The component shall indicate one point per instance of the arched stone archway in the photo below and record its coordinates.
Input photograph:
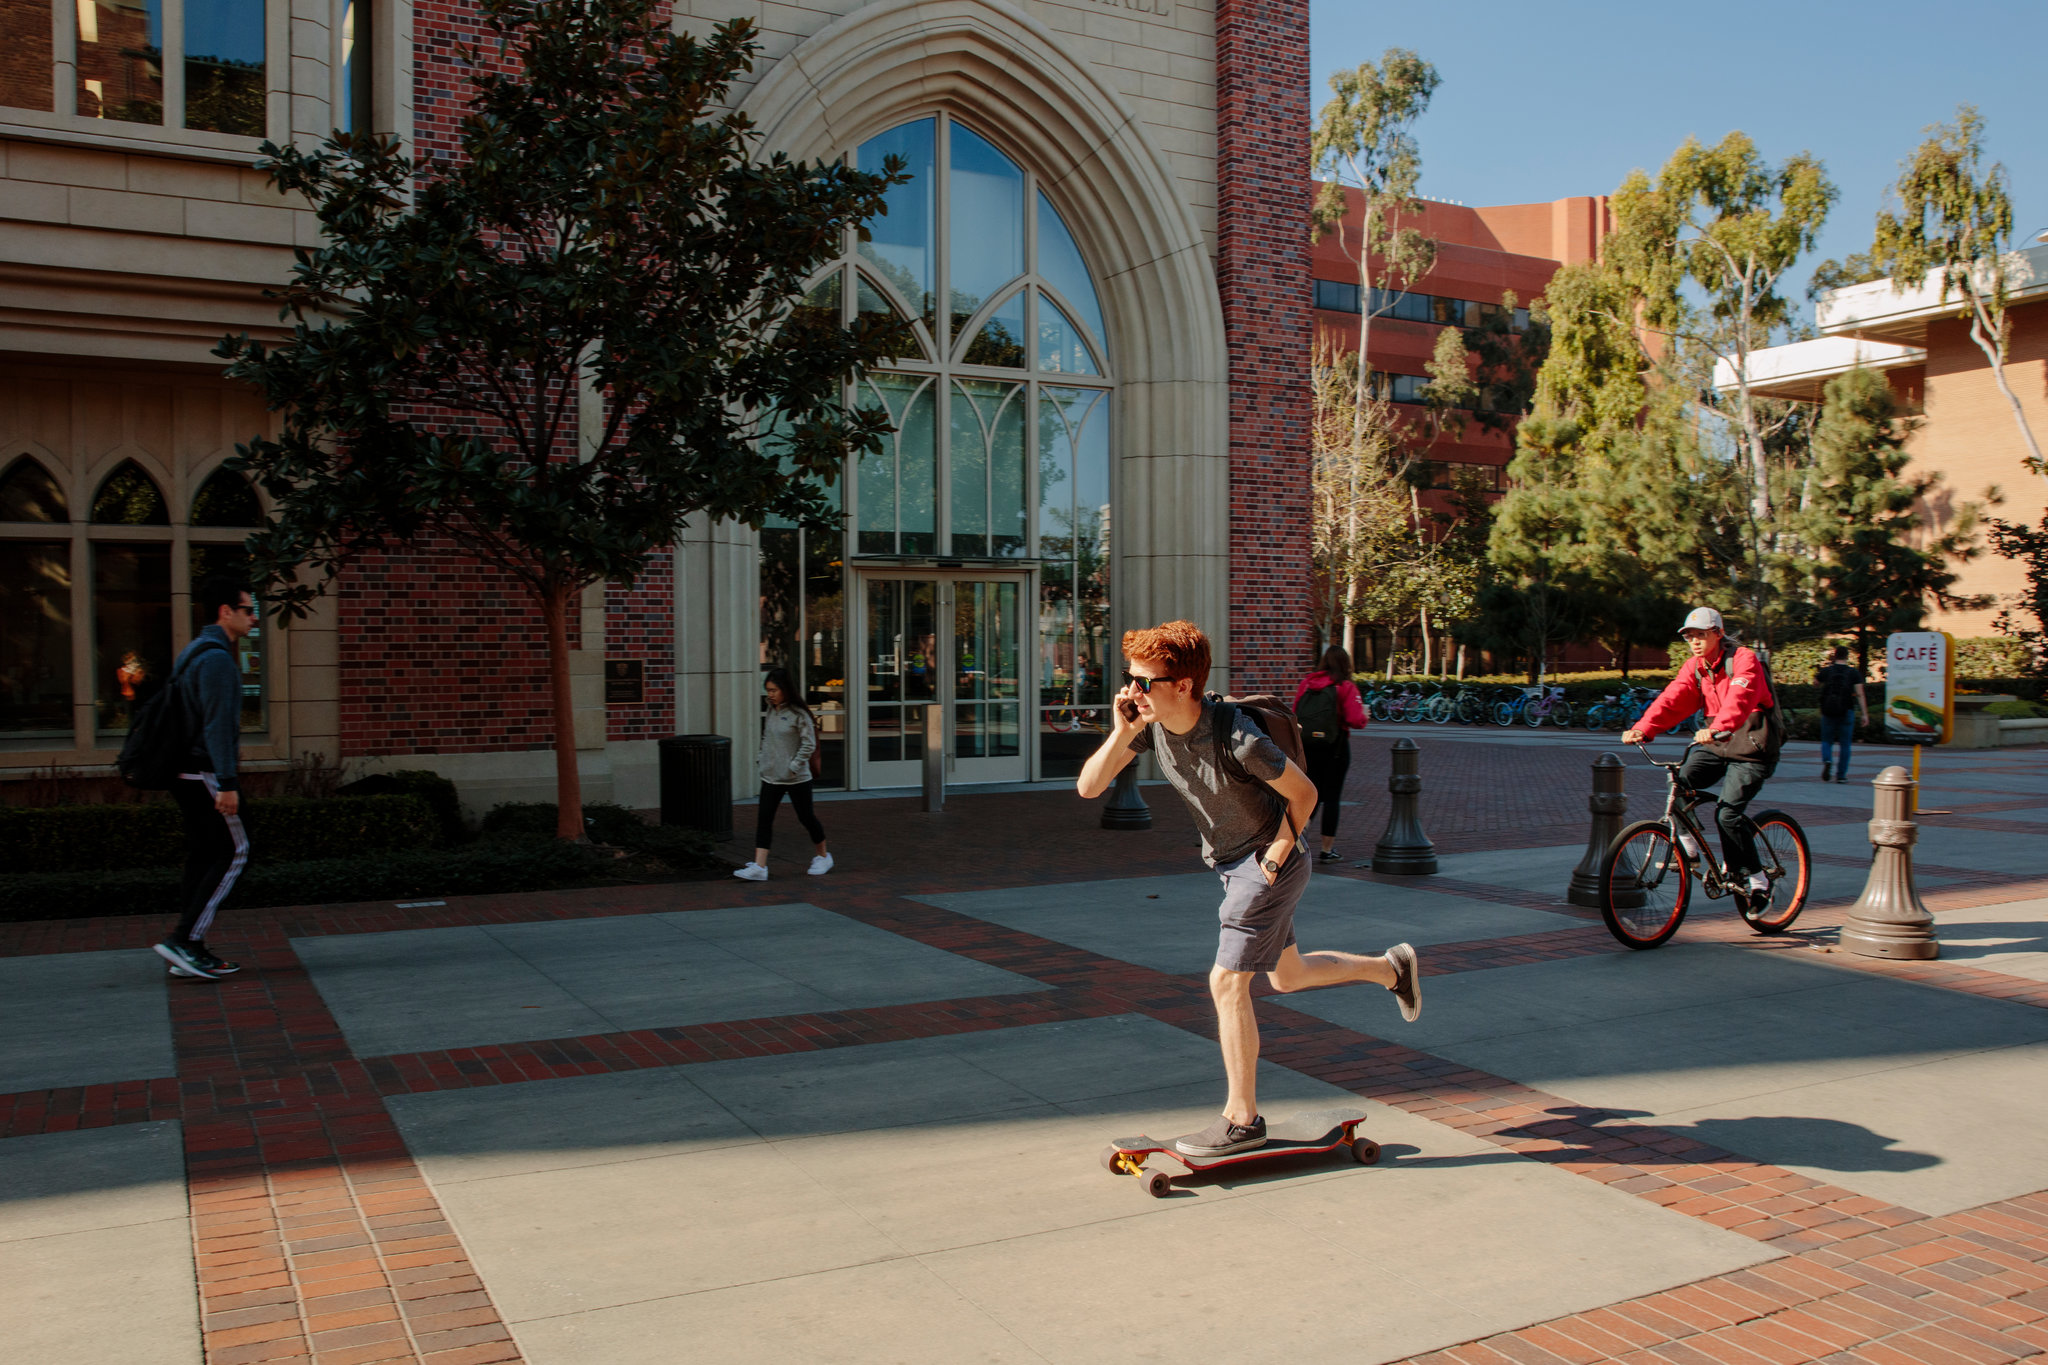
(894, 60)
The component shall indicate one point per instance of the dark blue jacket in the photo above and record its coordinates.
(212, 688)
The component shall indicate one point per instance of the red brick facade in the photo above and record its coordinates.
(1262, 127)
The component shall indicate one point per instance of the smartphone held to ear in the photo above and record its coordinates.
(1128, 708)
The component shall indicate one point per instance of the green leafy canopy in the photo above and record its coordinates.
(556, 346)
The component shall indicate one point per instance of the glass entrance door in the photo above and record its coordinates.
(957, 643)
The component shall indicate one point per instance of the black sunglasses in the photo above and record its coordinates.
(1143, 684)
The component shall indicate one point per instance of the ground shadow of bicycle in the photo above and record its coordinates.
(1781, 1139)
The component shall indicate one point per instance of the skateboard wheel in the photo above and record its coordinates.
(1109, 1159)
(1365, 1151)
(1158, 1185)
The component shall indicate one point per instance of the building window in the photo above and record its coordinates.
(1001, 407)
(1335, 296)
(181, 67)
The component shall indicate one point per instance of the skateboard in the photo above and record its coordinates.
(1321, 1130)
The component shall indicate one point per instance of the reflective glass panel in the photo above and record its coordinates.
(781, 606)
(224, 86)
(35, 637)
(820, 307)
(232, 561)
(1006, 477)
(1060, 348)
(131, 610)
(121, 60)
(26, 72)
(226, 499)
(129, 497)
(918, 474)
(985, 201)
(902, 242)
(1059, 261)
(28, 493)
(967, 455)
(1064, 420)
(357, 39)
(866, 300)
(1000, 340)
(824, 650)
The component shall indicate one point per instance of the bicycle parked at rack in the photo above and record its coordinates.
(1548, 705)
(1646, 878)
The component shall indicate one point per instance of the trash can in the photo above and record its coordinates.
(696, 783)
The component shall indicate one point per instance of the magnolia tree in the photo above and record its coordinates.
(550, 350)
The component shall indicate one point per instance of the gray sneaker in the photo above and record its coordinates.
(1223, 1137)
(185, 961)
(1407, 987)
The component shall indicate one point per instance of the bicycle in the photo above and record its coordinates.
(1507, 703)
(1469, 707)
(1549, 704)
(1646, 878)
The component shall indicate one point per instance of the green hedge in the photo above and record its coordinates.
(437, 791)
(282, 829)
(613, 824)
(487, 867)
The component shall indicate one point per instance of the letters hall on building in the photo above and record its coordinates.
(1104, 422)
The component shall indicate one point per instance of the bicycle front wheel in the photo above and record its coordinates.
(1469, 710)
(1440, 710)
(1644, 885)
(1561, 715)
(1783, 845)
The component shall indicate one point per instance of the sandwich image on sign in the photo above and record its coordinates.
(1912, 714)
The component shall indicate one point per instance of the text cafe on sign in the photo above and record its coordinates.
(1919, 686)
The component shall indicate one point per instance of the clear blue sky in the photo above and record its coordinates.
(1541, 101)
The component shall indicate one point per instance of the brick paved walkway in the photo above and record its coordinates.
(315, 1234)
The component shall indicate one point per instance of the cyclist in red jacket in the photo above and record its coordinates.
(1740, 742)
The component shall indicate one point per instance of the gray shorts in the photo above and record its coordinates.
(1257, 919)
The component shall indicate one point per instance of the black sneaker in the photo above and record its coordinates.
(1223, 1137)
(218, 966)
(1329, 855)
(1826, 776)
(185, 958)
(1407, 987)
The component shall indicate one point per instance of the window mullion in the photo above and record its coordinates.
(64, 53)
(84, 721)
(174, 64)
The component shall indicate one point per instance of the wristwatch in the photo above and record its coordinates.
(1270, 866)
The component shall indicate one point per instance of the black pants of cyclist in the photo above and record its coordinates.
(1740, 781)
(1327, 765)
(799, 801)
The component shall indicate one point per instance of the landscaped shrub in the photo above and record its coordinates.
(486, 868)
(281, 829)
(437, 791)
(2017, 710)
(613, 824)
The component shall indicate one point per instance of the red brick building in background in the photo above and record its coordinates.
(1483, 255)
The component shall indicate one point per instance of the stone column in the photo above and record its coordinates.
(1608, 804)
(1888, 920)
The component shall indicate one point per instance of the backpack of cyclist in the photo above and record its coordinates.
(1320, 717)
(1761, 736)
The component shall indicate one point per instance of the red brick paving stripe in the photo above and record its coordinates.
(314, 1235)
(1843, 1305)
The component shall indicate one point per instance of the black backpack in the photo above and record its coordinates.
(161, 732)
(1837, 690)
(1321, 718)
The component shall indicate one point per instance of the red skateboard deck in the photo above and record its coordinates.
(1319, 1131)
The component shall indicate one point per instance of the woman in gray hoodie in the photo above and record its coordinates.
(789, 736)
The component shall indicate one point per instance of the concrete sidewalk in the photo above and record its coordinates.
(856, 1118)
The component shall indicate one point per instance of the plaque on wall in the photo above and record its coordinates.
(622, 682)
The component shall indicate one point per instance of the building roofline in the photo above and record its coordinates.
(1801, 370)
(1878, 312)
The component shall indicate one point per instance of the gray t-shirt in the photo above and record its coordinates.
(1235, 818)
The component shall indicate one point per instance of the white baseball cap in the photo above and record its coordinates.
(1702, 618)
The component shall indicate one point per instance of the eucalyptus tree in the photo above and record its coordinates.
(1954, 227)
(608, 242)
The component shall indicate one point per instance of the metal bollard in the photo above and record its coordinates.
(1888, 920)
(1126, 809)
(934, 757)
(1404, 849)
(1608, 803)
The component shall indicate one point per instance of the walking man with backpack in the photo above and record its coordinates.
(1741, 740)
(1841, 691)
(204, 698)
(1251, 803)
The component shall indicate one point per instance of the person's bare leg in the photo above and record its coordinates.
(1299, 971)
(761, 856)
(1238, 1031)
(1328, 839)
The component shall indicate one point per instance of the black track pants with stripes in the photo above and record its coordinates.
(216, 850)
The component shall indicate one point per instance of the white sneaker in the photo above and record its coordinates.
(1759, 883)
(752, 872)
(821, 864)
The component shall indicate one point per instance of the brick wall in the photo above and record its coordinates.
(1262, 121)
(441, 654)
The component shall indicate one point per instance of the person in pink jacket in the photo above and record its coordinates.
(1741, 740)
(1328, 707)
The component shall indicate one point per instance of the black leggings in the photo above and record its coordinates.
(1327, 765)
(799, 801)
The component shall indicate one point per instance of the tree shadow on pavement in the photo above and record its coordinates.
(1780, 1139)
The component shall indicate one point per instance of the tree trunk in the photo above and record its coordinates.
(554, 610)
(1624, 660)
(1994, 354)
(1461, 663)
(1428, 655)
